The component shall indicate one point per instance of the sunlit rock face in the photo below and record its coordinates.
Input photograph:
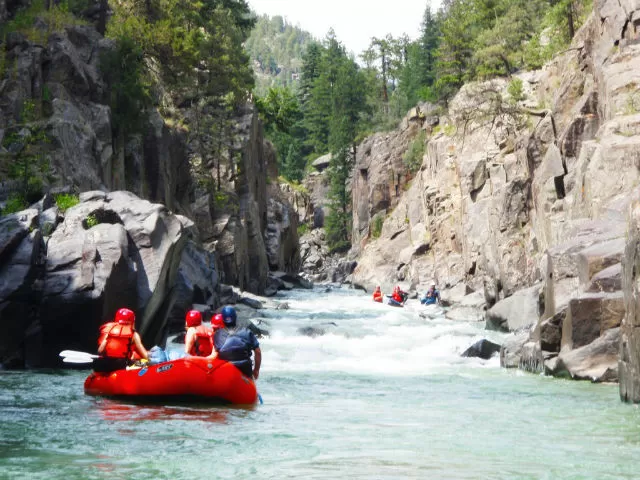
(506, 200)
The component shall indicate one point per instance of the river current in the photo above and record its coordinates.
(383, 394)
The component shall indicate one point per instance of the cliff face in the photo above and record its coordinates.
(514, 194)
(238, 233)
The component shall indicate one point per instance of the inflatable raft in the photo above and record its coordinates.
(182, 379)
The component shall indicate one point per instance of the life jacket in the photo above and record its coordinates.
(397, 297)
(377, 296)
(233, 346)
(119, 341)
(203, 344)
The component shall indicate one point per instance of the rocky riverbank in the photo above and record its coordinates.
(522, 205)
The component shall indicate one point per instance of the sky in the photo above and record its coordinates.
(354, 21)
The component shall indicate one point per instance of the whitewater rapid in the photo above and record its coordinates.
(366, 338)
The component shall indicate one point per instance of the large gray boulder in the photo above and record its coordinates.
(597, 361)
(519, 310)
(21, 250)
(112, 250)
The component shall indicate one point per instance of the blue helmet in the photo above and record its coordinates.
(229, 316)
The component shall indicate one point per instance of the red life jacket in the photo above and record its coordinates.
(397, 297)
(119, 341)
(377, 296)
(203, 343)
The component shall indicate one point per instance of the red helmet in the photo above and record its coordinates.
(125, 316)
(194, 318)
(217, 321)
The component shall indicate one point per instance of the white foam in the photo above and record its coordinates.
(369, 338)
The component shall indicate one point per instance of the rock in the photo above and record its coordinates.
(469, 308)
(281, 235)
(630, 342)
(482, 349)
(597, 361)
(343, 270)
(519, 310)
(48, 220)
(294, 281)
(228, 295)
(322, 163)
(251, 302)
(589, 316)
(531, 357)
(550, 332)
(311, 331)
(596, 258)
(129, 259)
(454, 295)
(282, 306)
(607, 280)
(196, 283)
(512, 348)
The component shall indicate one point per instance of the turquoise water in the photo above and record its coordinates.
(384, 394)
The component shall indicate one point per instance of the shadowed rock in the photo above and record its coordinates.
(484, 349)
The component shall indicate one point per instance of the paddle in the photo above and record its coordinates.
(72, 356)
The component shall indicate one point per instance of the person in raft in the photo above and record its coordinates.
(235, 345)
(377, 295)
(119, 343)
(432, 296)
(199, 338)
(398, 295)
(217, 322)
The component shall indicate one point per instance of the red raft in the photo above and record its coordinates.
(185, 378)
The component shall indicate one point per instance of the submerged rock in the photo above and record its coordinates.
(484, 349)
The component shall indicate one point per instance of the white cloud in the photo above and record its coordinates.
(354, 21)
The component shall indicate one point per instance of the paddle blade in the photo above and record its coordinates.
(77, 359)
(74, 353)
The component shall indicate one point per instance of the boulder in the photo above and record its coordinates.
(550, 332)
(281, 236)
(454, 295)
(519, 310)
(196, 283)
(469, 308)
(322, 163)
(21, 251)
(295, 281)
(482, 349)
(629, 368)
(597, 361)
(111, 251)
(594, 259)
(512, 348)
(608, 280)
(589, 316)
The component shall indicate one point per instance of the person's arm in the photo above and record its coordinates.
(139, 347)
(189, 339)
(257, 363)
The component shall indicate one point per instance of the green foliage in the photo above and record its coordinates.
(123, 69)
(53, 19)
(279, 109)
(26, 143)
(515, 91)
(91, 221)
(376, 226)
(413, 156)
(64, 201)
(302, 229)
(276, 48)
(15, 203)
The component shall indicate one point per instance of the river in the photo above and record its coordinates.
(383, 394)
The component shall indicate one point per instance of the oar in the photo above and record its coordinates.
(71, 356)
(72, 353)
